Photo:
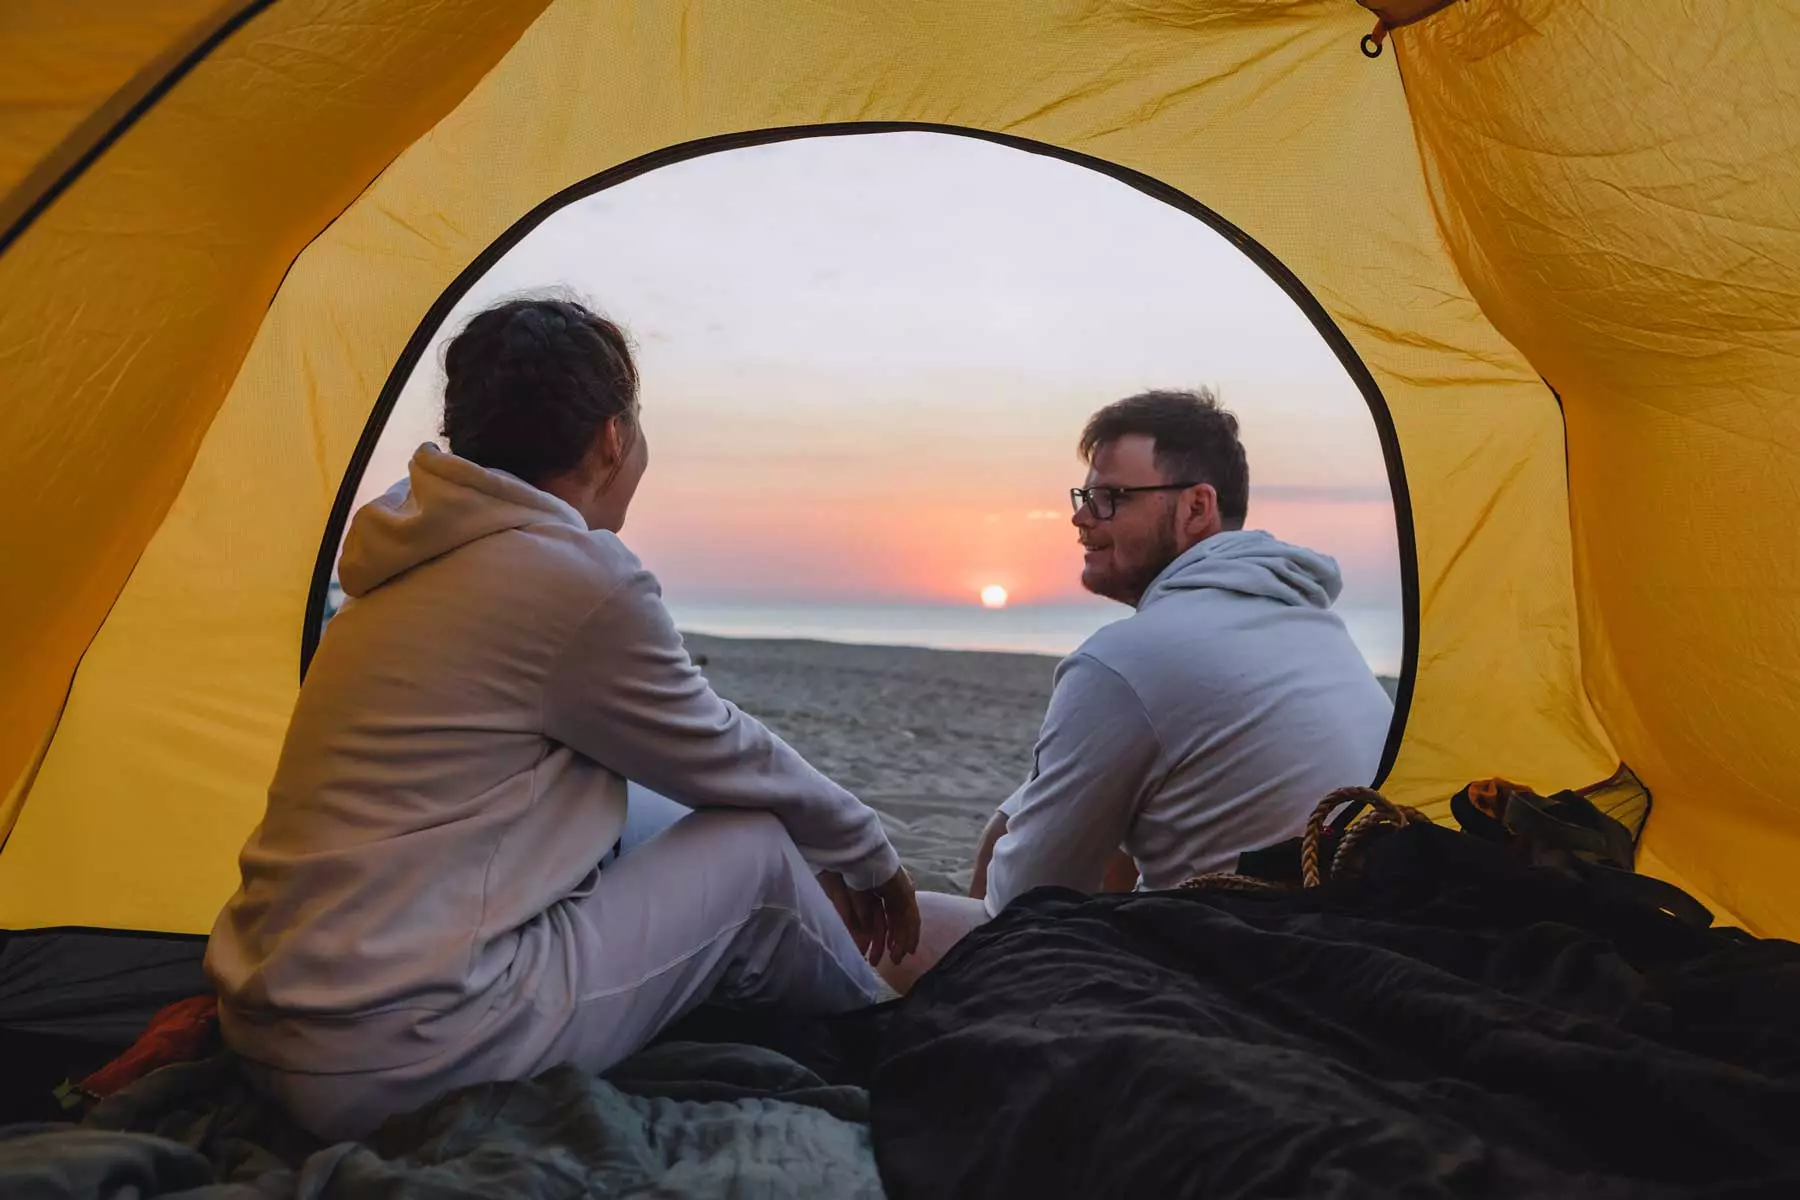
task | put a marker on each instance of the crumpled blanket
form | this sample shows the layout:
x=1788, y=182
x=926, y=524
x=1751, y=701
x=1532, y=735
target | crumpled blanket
x=679, y=1120
x=1454, y=1023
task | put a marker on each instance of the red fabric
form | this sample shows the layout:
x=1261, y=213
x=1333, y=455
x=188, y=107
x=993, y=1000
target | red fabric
x=183, y=1031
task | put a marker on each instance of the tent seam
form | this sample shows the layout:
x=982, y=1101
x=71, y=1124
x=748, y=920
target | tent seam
x=130, y=117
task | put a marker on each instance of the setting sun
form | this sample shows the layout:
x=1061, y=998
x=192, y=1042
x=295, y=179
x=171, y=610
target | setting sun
x=993, y=596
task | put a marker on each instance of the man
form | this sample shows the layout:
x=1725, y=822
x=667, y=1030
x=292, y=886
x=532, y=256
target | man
x=1209, y=722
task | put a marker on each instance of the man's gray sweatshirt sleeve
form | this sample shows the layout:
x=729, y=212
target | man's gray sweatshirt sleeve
x=1094, y=761
x=625, y=693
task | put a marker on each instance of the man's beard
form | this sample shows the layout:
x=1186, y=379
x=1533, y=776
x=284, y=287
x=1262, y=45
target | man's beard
x=1129, y=585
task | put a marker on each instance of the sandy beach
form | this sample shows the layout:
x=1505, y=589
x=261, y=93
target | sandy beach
x=933, y=740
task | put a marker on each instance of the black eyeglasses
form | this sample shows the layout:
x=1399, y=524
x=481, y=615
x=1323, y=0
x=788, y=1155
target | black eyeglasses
x=1103, y=502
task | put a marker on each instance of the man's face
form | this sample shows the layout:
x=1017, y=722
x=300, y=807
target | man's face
x=1128, y=551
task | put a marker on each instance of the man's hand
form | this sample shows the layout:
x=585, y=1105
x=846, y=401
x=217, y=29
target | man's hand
x=882, y=921
x=984, y=854
x=1121, y=869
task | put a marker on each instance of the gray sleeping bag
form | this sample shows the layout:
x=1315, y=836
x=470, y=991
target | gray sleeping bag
x=679, y=1120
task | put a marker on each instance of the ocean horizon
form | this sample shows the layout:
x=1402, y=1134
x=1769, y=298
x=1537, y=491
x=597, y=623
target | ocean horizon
x=1054, y=629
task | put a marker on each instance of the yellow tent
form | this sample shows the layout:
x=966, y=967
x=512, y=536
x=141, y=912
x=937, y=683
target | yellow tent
x=1557, y=241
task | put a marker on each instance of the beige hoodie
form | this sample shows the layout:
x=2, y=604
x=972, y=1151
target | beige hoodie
x=456, y=767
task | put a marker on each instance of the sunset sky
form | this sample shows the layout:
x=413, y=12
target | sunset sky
x=866, y=361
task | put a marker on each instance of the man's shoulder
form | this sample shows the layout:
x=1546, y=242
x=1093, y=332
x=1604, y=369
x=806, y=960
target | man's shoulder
x=1108, y=664
x=1126, y=646
x=1164, y=650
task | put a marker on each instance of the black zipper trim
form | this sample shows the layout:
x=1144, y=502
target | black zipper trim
x=1272, y=266
x=130, y=117
x=42, y=931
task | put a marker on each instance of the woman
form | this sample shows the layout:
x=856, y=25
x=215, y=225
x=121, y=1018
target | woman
x=422, y=905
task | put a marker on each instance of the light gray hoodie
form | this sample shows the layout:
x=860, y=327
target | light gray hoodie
x=1208, y=723
x=455, y=769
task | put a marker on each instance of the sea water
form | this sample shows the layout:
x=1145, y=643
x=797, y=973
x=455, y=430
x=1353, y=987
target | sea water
x=1024, y=628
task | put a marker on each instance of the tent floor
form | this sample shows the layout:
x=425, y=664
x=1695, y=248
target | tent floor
x=37, y=1064
x=72, y=1000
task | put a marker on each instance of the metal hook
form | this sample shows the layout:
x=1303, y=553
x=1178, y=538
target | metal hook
x=1386, y=24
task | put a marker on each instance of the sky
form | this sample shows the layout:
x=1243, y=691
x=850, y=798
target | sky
x=866, y=361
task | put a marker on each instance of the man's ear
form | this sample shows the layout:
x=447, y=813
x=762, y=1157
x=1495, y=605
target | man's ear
x=1204, y=513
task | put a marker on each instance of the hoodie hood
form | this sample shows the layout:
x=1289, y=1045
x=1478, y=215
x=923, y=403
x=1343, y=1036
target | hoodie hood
x=1251, y=563
x=445, y=502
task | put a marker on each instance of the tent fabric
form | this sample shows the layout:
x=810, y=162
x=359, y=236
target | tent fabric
x=183, y=401
x=74, y=68
x=1640, y=242
x=127, y=305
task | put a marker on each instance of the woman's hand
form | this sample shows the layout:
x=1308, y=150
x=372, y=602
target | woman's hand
x=898, y=917
x=884, y=920
x=847, y=908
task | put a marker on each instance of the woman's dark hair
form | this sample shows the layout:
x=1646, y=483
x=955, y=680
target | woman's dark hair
x=529, y=384
x=1194, y=438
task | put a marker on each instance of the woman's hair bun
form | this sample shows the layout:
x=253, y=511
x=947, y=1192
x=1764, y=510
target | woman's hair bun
x=530, y=383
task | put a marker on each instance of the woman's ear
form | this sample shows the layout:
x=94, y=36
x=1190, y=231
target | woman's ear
x=613, y=439
x=614, y=445
x=609, y=448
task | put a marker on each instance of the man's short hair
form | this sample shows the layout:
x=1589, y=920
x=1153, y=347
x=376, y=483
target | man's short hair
x=1194, y=440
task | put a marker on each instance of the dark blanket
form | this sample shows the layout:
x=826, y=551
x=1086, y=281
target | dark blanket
x=679, y=1120
x=1452, y=1024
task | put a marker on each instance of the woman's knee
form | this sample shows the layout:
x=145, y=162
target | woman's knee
x=752, y=826
x=760, y=844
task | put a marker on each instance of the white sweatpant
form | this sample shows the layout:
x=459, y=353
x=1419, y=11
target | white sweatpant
x=709, y=904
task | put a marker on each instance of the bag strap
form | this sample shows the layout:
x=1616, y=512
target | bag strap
x=1649, y=890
